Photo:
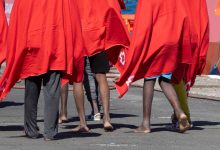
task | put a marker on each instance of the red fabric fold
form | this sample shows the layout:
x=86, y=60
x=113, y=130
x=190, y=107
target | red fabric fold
x=199, y=25
x=43, y=35
x=3, y=34
x=161, y=29
x=103, y=27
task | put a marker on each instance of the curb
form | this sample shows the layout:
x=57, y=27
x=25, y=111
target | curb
x=202, y=97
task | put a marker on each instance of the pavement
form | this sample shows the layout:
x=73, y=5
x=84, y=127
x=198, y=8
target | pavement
x=126, y=115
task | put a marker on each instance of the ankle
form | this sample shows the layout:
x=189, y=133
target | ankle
x=106, y=118
x=145, y=123
x=179, y=113
x=95, y=112
x=63, y=117
x=62, y=114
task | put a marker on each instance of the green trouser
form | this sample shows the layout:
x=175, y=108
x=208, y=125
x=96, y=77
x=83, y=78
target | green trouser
x=182, y=96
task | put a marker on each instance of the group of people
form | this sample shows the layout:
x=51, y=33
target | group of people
x=50, y=42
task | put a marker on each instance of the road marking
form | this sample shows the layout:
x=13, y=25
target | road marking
x=114, y=145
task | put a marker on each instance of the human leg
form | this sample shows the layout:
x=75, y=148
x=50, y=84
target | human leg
x=171, y=95
x=32, y=92
x=105, y=97
x=79, y=100
x=100, y=66
x=148, y=92
x=96, y=115
x=51, y=83
x=63, y=107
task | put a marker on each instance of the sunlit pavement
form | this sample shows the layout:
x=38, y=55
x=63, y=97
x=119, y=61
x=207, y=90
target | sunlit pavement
x=126, y=115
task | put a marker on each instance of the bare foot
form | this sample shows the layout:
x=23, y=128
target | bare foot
x=81, y=128
x=183, y=123
x=142, y=129
x=108, y=127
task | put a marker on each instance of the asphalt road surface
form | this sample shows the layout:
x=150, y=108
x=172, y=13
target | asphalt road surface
x=126, y=115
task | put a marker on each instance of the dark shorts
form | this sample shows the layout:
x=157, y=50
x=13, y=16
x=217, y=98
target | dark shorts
x=99, y=63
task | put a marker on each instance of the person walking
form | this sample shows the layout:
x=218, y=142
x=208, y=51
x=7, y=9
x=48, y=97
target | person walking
x=154, y=53
x=184, y=76
x=105, y=36
x=44, y=41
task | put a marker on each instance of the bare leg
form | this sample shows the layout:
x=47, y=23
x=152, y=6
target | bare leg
x=63, y=108
x=148, y=92
x=105, y=97
x=79, y=100
x=95, y=107
x=171, y=95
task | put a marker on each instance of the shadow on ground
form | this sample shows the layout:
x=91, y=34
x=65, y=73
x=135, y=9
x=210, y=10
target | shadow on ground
x=64, y=135
x=100, y=126
x=11, y=128
x=71, y=134
x=74, y=119
x=197, y=125
x=9, y=103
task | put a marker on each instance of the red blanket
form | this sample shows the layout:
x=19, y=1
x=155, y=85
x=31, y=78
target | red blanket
x=3, y=34
x=102, y=26
x=161, y=30
x=43, y=35
x=199, y=24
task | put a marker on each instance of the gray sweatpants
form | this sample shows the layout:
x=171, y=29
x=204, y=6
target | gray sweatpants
x=51, y=89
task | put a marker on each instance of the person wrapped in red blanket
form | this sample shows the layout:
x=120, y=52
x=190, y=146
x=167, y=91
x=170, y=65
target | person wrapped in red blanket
x=44, y=40
x=105, y=36
x=161, y=31
x=95, y=115
x=199, y=36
